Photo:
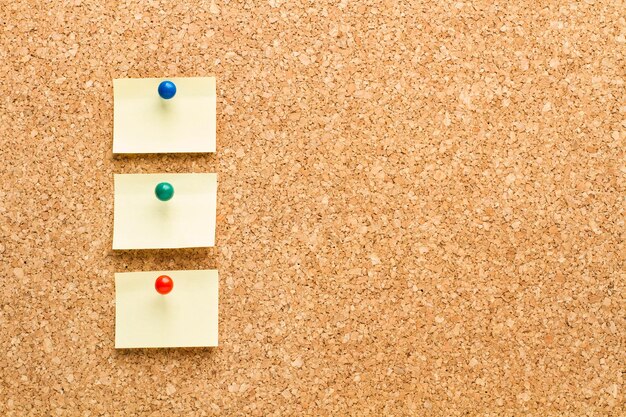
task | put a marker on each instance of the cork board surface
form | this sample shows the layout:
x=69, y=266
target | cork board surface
x=420, y=208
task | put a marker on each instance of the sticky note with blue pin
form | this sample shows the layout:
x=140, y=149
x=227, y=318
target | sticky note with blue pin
x=164, y=115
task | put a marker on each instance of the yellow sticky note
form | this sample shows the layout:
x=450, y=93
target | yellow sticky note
x=142, y=221
x=185, y=317
x=143, y=122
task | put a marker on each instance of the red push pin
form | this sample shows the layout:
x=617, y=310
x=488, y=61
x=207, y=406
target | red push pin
x=164, y=284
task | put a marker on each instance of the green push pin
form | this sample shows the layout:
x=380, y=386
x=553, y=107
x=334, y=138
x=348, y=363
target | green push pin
x=164, y=191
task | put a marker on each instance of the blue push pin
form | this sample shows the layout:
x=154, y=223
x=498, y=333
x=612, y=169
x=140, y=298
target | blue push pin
x=167, y=90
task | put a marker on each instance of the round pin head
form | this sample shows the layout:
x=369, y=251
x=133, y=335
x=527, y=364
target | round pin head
x=164, y=191
x=167, y=90
x=164, y=284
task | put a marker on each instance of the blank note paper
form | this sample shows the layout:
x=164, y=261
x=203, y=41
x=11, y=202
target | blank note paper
x=142, y=221
x=143, y=122
x=185, y=317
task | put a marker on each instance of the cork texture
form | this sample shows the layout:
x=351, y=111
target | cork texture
x=420, y=207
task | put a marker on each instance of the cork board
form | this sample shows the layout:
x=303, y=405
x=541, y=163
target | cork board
x=420, y=211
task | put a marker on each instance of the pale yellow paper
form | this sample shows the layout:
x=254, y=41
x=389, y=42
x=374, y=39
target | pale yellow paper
x=141, y=221
x=143, y=122
x=186, y=317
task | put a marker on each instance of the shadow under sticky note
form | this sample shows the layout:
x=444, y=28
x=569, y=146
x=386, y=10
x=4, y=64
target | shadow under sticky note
x=186, y=317
x=143, y=122
x=142, y=221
